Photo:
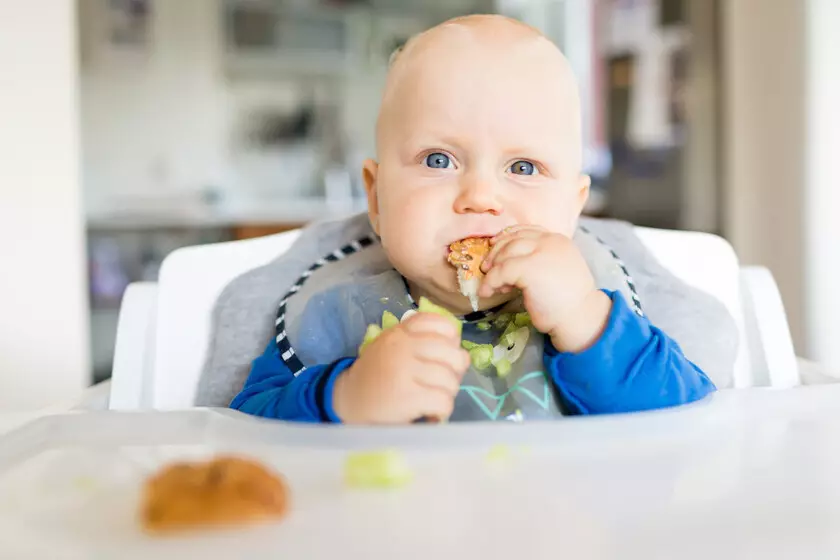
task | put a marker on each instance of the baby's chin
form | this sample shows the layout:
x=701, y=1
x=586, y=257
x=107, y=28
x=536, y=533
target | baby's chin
x=498, y=300
x=447, y=293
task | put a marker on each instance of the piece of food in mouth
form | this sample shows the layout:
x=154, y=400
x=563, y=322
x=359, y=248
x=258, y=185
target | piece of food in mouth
x=466, y=256
x=226, y=491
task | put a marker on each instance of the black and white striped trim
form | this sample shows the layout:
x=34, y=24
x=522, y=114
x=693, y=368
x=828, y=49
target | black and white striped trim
x=637, y=303
x=287, y=353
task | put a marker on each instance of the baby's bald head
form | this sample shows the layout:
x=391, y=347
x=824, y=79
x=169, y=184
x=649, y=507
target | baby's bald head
x=472, y=51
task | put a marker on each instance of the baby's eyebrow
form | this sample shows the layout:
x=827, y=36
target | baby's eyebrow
x=534, y=151
x=432, y=140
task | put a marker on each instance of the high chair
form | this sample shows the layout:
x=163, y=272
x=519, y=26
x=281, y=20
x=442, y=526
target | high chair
x=164, y=327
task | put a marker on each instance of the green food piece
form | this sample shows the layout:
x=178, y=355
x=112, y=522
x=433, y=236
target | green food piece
x=503, y=367
x=509, y=329
x=483, y=325
x=85, y=483
x=513, y=343
x=481, y=356
x=426, y=306
x=370, y=335
x=502, y=320
x=468, y=344
x=498, y=452
x=376, y=469
x=522, y=320
x=389, y=320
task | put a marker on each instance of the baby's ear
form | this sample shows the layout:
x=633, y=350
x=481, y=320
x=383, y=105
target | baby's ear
x=370, y=172
x=584, y=183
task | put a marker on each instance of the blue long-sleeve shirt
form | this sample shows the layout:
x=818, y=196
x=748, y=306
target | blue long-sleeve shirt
x=633, y=366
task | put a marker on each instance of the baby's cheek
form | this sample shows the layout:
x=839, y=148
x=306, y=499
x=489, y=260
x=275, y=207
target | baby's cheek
x=554, y=213
x=409, y=242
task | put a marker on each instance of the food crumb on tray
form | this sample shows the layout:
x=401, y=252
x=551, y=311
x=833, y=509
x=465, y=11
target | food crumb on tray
x=225, y=491
x=377, y=469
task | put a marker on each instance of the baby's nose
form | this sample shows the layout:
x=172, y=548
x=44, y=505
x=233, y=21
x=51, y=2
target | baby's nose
x=478, y=195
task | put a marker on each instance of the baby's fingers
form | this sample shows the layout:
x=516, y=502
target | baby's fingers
x=430, y=323
x=432, y=403
x=509, y=248
x=518, y=231
x=440, y=377
x=508, y=273
x=435, y=350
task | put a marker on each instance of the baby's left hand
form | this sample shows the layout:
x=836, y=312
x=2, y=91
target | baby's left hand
x=558, y=289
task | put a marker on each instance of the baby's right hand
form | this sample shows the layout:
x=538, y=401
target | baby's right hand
x=410, y=371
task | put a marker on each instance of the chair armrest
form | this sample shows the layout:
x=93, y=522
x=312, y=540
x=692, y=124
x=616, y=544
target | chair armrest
x=134, y=347
x=812, y=373
x=95, y=397
x=92, y=398
x=768, y=334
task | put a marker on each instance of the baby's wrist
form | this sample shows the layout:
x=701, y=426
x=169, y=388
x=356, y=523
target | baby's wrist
x=341, y=401
x=579, y=330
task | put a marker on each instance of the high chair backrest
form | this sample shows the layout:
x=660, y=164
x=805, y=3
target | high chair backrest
x=164, y=329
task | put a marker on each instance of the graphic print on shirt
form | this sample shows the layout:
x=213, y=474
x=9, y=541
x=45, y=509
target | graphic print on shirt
x=484, y=399
x=524, y=393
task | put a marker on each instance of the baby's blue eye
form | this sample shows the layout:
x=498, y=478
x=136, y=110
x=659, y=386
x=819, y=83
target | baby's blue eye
x=523, y=167
x=438, y=160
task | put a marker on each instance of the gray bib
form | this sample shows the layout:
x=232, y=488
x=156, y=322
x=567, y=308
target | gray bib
x=316, y=301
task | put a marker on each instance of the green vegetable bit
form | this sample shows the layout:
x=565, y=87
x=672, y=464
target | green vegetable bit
x=503, y=367
x=481, y=356
x=389, y=320
x=483, y=325
x=502, y=320
x=511, y=328
x=522, y=320
x=370, y=335
x=498, y=452
x=468, y=344
x=426, y=306
x=377, y=469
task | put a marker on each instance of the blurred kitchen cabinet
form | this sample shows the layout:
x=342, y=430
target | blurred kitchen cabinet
x=265, y=37
x=251, y=231
x=619, y=95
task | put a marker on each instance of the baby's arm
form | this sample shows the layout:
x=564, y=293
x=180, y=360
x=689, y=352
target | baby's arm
x=632, y=366
x=273, y=391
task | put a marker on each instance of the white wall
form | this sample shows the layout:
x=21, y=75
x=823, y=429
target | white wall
x=822, y=202
x=43, y=329
x=764, y=141
x=154, y=120
x=700, y=208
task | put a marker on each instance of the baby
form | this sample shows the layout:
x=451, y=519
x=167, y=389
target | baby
x=479, y=137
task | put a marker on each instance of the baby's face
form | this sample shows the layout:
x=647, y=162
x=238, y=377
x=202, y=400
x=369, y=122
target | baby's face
x=475, y=136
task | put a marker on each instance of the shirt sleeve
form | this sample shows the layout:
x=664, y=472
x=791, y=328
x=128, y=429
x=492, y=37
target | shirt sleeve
x=273, y=391
x=633, y=366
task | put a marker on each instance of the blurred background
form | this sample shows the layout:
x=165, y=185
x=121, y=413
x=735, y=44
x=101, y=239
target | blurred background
x=129, y=128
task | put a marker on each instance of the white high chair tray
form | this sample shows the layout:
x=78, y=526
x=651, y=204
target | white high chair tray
x=744, y=474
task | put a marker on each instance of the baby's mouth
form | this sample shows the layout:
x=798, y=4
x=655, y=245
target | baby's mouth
x=470, y=239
